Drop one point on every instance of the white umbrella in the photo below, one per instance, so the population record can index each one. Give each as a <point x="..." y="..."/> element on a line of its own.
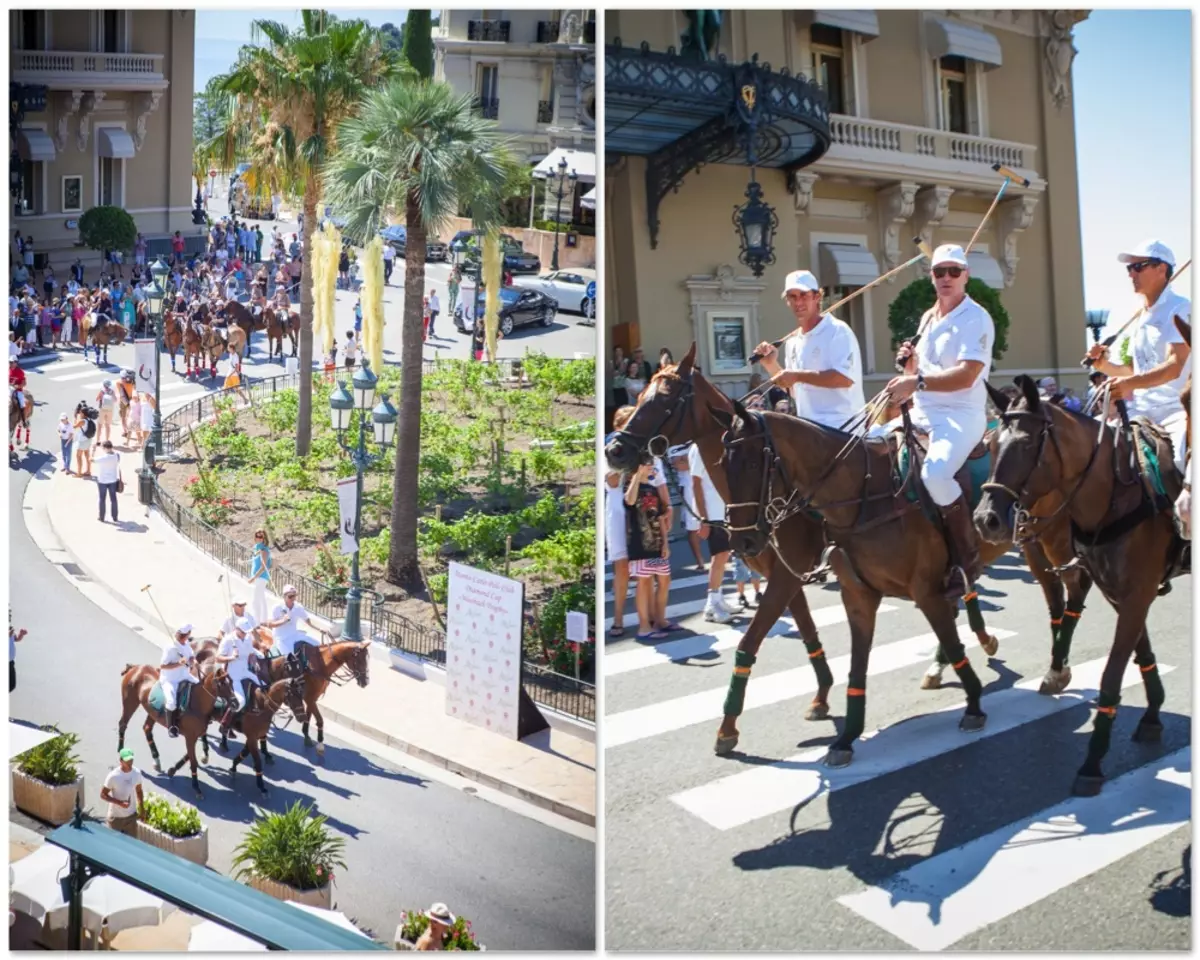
<point x="211" y="937"/>
<point x="111" y="905"/>
<point x="22" y="739"/>
<point x="35" y="889"/>
<point x="588" y="200"/>
<point x="335" y="917"/>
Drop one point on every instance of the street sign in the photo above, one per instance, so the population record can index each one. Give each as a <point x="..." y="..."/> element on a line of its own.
<point x="591" y="290"/>
<point x="212" y="173"/>
<point x="577" y="624"/>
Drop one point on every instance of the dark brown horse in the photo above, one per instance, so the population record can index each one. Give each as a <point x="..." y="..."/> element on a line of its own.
<point x="324" y="662"/>
<point x="1128" y="545"/>
<point x="674" y="409"/>
<point x="243" y="318"/>
<point x="255" y="721"/>
<point x="102" y="336"/>
<point x="278" y="324"/>
<point x="1183" y="506"/>
<point x="194" y="332"/>
<point x="137" y="682"/>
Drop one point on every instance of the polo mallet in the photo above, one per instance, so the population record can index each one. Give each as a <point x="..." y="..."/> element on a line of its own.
<point x="1010" y="176"/>
<point x="1109" y="341"/>
<point x="228" y="595"/>
<point x="162" y="619"/>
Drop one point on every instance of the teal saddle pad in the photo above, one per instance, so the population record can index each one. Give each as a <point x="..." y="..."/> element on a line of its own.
<point x="979" y="470"/>
<point x="184" y="698"/>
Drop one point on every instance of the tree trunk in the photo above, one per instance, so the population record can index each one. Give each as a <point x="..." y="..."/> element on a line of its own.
<point x="312" y="198"/>
<point x="402" y="557"/>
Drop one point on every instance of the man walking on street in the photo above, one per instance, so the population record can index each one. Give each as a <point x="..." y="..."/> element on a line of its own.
<point x="389" y="261"/>
<point x="435" y="308"/>
<point x="14" y="637"/>
<point x="120" y="787"/>
<point x="108" y="475"/>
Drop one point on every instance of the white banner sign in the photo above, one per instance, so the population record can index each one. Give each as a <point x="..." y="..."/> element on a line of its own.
<point x="347" y="491"/>
<point x="483" y="649"/>
<point x="143" y="359"/>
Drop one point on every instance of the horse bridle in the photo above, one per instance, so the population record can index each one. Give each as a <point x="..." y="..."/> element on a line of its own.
<point x="648" y="445"/>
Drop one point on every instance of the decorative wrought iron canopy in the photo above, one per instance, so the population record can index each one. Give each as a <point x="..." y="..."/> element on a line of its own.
<point x="682" y="113"/>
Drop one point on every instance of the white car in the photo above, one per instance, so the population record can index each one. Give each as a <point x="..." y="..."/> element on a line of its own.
<point x="569" y="287"/>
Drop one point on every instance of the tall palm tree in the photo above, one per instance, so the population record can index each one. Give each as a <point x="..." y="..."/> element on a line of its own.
<point x="293" y="93"/>
<point x="420" y="147"/>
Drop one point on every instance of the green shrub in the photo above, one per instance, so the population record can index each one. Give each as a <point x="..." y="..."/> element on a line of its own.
<point x="292" y="847"/>
<point x="413" y="923"/>
<point x="439" y="587"/>
<point x="565" y="555"/>
<point x="107" y="228"/>
<point x="53" y="762"/>
<point x="551" y="627"/>
<point x="173" y="817"/>
<point x="905" y="312"/>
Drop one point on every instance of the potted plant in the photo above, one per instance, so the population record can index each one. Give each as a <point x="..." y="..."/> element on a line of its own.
<point x="46" y="780"/>
<point x="290" y="855"/>
<point x="174" y="826"/>
<point x="413" y="923"/>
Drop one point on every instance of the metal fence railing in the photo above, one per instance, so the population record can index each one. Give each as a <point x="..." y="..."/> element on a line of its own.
<point x="575" y="698"/>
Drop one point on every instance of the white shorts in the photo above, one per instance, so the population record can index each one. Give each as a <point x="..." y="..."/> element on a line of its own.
<point x="615" y="547"/>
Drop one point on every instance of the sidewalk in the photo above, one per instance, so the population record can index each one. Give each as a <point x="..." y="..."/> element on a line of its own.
<point x="553" y="770"/>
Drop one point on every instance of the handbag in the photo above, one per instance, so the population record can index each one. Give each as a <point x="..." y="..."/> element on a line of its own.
<point x="120" y="484"/>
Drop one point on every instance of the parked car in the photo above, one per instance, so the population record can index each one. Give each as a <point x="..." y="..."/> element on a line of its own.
<point x="516" y="258"/>
<point x="397" y="236"/>
<point x="517" y="308"/>
<point x="569" y="287"/>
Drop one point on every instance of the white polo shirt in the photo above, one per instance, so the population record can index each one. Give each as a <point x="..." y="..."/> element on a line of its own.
<point x="965" y="333"/>
<point x="830" y="345"/>
<point x="1153" y="336"/>
<point x="231" y="623"/>
<point x="176" y="655"/>
<point x="288" y="633"/>
<point x="714" y="506"/>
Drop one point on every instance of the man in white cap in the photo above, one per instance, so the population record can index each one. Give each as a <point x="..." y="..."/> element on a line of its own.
<point x="239" y="611"/>
<point x="822" y="366"/>
<point x="174" y="669"/>
<point x="236" y="653"/>
<point x="1161" y="356"/>
<point x="290" y="640"/>
<point x="946" y="376"/>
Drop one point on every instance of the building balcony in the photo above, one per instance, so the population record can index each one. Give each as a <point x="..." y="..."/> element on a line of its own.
<point x="68" y="70"/>
<point x="488" y="109"/>
<point x="545" y="111"/>
<point x="894" y="151"/>
<point x="547" y="31"/>
<point x="488" y="31"/>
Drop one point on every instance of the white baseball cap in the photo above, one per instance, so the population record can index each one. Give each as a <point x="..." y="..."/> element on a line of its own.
<point x="239" y="600"/>
<point x="949" y="253"/>
<point x="244" y="624"/>
<point x="1149" y="250"/>
<point x="802" y="280"/>
<point x="289" y="590"/>
<point x="184" y="630"/>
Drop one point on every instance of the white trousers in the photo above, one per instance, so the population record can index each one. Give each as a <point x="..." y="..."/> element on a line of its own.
<point x="258" y="603"/>
<point x="952" y="437"/>
<point x="170" y="681"/>
<point x="237" y="673"/>
<point x="1176" y="427"/>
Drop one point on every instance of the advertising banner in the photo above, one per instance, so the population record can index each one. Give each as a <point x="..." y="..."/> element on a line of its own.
<point x="143" y="359"/>
<point x="347" y="493"/>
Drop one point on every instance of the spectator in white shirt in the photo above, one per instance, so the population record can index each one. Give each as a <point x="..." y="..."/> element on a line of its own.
<point x="435" y="307"/>
<point x="66" y="434"/>
<point x="108" y="474"/>
<point x="120" y="788"/>
<point x="710" y="506"/>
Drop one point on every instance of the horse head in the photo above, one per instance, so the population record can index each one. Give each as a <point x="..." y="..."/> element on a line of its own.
<point x="748" y="461"/>
<point x="222" y="684"/>
<point x="660" y="419"/>
<point x="357" y="656"/>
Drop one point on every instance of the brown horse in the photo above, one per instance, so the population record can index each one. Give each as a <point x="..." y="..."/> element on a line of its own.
<point x="1183" y="506"/>
<point x="1127" y="543"/>
<point x="194" y="332"/>
<point x="278" y="323"/>
<point x="102" y="336"/>
<point x="173" y="326"/>
<point x="255" y="721"/>
<point x="324" y="662"/>
<point x="137" y="682"/>
<point x="242" y="318"/>
<point x="16" y="416"/>
<point x="673" y="410"/>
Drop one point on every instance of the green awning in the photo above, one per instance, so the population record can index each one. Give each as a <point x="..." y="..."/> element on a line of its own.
<point x="204" y="892"/>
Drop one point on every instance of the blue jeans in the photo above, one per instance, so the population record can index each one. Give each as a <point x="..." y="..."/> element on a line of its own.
<point x="111" y="489"/>
<point x="66" y="454"/>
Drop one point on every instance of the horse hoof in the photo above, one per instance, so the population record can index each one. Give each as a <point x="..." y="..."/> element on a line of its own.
<point x="817" y="711"/>
<point x="725" y="745"/>
<point x="320" y="749"/>
<point x="990" y="646"/>
<point x="1148" y="732"/>
<point x="269" y="759"/>
<point x="1055" y="681"/>
<point x="932" y="681"/>
<point x="838" y="758"/>
<point x="972" y="722"/>
<point x="1087" y="786"/>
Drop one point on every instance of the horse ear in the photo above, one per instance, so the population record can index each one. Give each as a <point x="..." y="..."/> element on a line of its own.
<point x="1029" y="390"/>
<point x="998" y="398"/>
<point x="723" y="418"/>
<point x="741" y="411"/>
<point x="688" y="361"/>
<point x="1184" y="328"/>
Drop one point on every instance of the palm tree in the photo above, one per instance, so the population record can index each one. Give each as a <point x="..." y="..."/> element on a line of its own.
<point x="420" y="147"/>
<point x="293" y="93"/>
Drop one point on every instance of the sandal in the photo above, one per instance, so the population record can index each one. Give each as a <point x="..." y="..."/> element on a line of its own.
<point x="669" y="627"/>
<point x="617" y="632"/>
<point x="652" y="635"/>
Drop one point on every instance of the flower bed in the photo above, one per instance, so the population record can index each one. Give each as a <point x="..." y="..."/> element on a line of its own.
<point x="290" y="855"/>
<point x="175" y="827"/>
<point x="46" y="781"/>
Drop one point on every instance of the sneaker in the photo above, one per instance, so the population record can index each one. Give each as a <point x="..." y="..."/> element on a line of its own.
<point x="743" y="603"/>
<point x="716" y="612"/>
<point x="732" y="611"/>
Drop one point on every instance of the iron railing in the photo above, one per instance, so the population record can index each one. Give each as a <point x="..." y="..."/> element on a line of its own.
<point x="575" y="698"/>
<point x="488" y="30"/>
<point x="488" y="109"/>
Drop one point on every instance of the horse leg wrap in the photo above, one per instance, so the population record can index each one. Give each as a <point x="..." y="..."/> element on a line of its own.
<point x="735" y="699"/>
<point x="320" y="733"/>
<point x="856" y="712"/>
<point x="1061" y="654"/>
<point x="820" y="663"/>
<point x="1106" y="714"/>
<point x="970" y="681"/>
<point x="941" y="658"/>
<point x="1152" y="681"/>
<point x="974" y="614"/>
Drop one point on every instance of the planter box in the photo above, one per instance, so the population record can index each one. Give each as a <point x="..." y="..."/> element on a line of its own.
<point x="48" y="803"/>
<point x="321" y="897"/>
<point x="193" y="848"/>
<point x="399" y="943"/>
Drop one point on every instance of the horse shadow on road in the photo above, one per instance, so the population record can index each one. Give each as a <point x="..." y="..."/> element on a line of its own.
<point x="871" y="828"/>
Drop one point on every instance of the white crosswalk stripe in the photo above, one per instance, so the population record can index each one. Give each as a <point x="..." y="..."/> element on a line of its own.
<point x="663" y="703"/>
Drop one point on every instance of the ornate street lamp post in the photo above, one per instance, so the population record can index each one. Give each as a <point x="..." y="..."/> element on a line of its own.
<point x="383" y="419"/>
<point x="1096" y="321"/>
<point x="155" y="298"/>
<point x="755" y="222"/>
<point x="563" y="177"/>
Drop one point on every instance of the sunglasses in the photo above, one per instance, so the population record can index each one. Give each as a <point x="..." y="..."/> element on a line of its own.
<point x="1141" y="265"/>
<point x="953" y="272"/>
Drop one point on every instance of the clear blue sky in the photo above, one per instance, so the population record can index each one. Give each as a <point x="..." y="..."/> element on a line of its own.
<point x="1133" y="128"/>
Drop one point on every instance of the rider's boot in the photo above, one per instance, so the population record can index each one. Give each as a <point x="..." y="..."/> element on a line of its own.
<point x="963" y="542"/>
<point x="173" y="722"/>
<point x="302" y="656"/>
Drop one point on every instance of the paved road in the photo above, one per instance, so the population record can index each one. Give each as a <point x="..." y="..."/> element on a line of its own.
<point x="411" y="836"/>
<point x="932" y="838"/>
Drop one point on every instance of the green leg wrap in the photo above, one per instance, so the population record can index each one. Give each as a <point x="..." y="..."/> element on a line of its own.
<point x="819" y="663"/>
<point x="1101" y="733"/>
<point x="735" y="699"/>
<point x="1062" y="638"/>
<point x="1152" y="680"/>
<point x="975" y="615"/>
<point x="941" y="658"/>
<point x="856" y="718"/>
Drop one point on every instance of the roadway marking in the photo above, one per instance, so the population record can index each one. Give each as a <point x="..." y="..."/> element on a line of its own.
<point x="80" y="375"/>
<point x="687" y="608"/>
<point x="939" y="901"/>
<point x="675" y="650"/>
<point x="641" y="723"/>
<point x="46" y="369"/>
<point x="745" y="797"/>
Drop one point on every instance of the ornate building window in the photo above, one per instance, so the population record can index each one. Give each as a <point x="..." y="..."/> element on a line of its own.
<point x="829" y="64"/>
<point x="952" y="94"/>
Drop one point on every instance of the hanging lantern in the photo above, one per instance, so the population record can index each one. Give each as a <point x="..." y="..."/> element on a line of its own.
<point x="756" y="222"/>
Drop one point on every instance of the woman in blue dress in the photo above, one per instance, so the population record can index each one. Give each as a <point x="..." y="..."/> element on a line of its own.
<point x="260" y="575"/>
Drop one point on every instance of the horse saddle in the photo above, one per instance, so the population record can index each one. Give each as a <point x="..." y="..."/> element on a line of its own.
<point x="971" y="476"/>
<point x="183" y="697"/>
<point x="1156" y="462"/>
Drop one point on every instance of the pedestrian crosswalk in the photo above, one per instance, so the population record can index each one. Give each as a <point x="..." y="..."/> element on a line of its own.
<point x="678" y="809"/>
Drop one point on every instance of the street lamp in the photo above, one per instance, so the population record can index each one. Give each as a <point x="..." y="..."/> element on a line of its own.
<point x="1096" y="321"/>
<point x="563" y="177"/>
<point x="755" y="222"/>
<point x="383" y="421"/>
<point x="155" y="296"/>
